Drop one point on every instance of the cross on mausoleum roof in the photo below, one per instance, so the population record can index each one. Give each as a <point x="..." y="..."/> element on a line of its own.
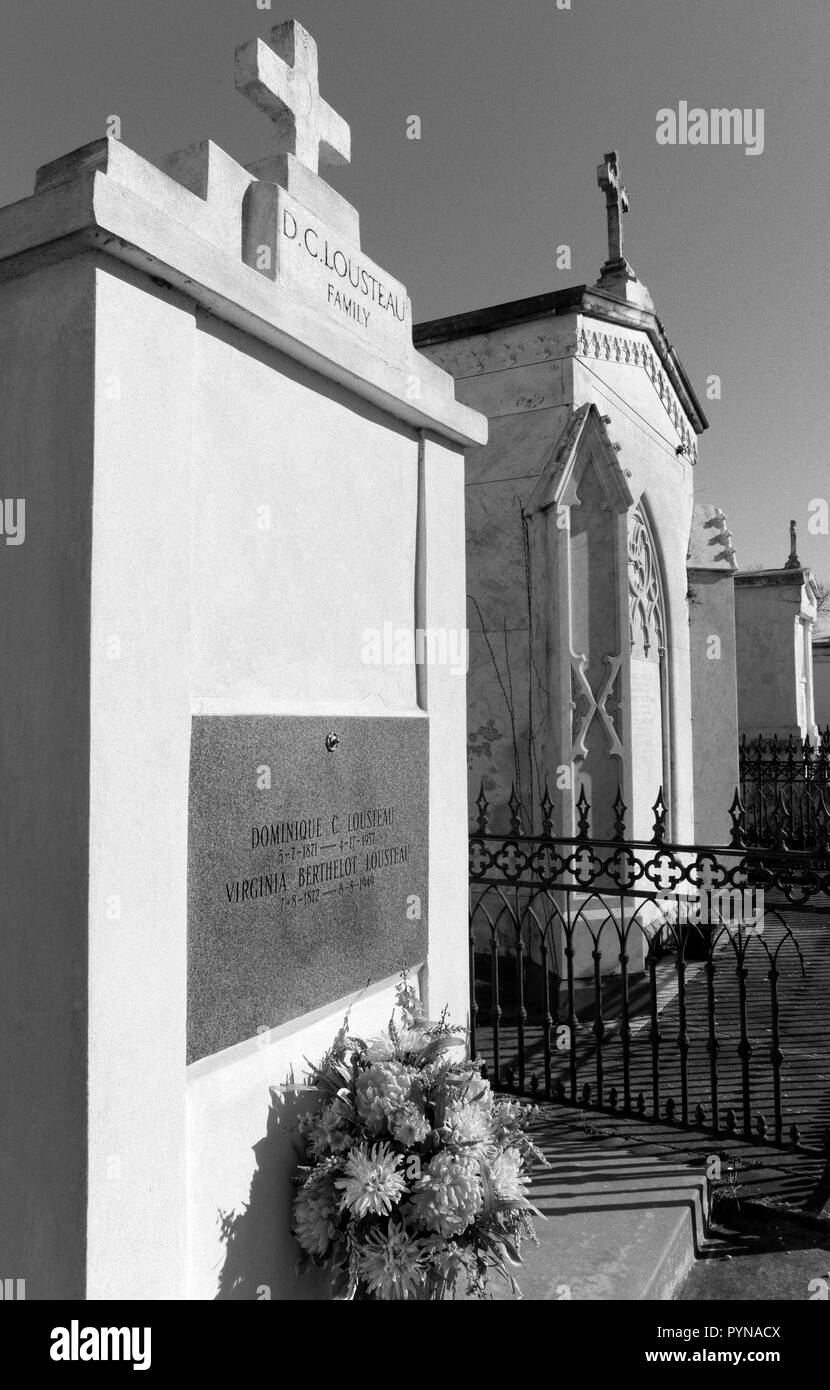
<point x="616" y="203"/>
<point x="281" y="78"/>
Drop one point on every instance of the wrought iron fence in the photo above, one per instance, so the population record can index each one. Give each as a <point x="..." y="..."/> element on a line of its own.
<point x="785" y="789"/>
<point x="657" y="980"/>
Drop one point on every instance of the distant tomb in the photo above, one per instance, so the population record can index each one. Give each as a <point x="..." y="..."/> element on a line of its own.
<point x="775" y="616"/>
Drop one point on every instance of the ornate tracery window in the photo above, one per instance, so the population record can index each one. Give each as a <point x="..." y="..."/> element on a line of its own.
<point x="649" y="761"/>
<point x="645" y="606"/>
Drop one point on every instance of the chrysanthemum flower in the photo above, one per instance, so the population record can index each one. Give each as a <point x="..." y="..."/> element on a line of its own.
<point x="447" y="1198"/>
<point x="409" y="1125"/>
<point x="508" y="1177"/>
<point x="388" y="1047"/>
<point x="315" y="1208"/>
<point x="372" y="1183"/>
<point x="382" y="1089"/>
<point x="469" y="1127"/>
<point x="392" y="1263"/>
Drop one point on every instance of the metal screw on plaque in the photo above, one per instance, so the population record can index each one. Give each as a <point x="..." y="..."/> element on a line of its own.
<point x="332" y="742"/>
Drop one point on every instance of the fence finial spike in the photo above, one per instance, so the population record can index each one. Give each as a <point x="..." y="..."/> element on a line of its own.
<point x="620" y="809"/>
<point x="583" y="807"/>
<point x="547" y="812"/>
<point x="737" y="812"/>
<point x="660" y="810"/>
<point x="483" y="804"/>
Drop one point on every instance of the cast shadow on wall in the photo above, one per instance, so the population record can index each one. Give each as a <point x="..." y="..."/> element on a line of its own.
<point x="260" y="1251"/>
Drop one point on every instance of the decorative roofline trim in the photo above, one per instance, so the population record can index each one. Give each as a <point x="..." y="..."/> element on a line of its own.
<point x="593" y="303"/>
<point x="611" y="347"/>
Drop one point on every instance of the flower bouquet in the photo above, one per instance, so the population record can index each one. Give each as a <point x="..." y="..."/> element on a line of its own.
<point x="415" y="1180"/>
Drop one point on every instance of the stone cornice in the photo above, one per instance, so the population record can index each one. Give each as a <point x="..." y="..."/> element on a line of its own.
<point x="105" y="198"/>
<point x="796" y="578"/>
<point x="540" y="306"/>
<point x="661" y="362"/>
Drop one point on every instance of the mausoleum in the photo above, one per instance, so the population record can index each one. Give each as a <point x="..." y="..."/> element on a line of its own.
<point x="579" y="530"/>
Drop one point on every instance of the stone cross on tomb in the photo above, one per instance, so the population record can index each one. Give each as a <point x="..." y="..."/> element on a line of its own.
<point x="280" y="77"/>
<point x="616" y="203"/>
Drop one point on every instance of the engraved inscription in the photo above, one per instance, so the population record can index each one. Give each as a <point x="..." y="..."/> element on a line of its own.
<point x="346" y="850"/>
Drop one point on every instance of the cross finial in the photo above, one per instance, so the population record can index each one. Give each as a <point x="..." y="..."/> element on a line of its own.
<point x="280" y="77"/>
<point x="793" y="562"/>
<point x="616" y="203"/>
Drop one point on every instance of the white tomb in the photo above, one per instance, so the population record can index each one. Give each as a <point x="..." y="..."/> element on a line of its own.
<point x="775" y="617"/>
<point x="234" y="463"/>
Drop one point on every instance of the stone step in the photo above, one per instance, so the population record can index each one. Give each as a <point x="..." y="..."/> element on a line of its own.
<point x="619" y="1225"/>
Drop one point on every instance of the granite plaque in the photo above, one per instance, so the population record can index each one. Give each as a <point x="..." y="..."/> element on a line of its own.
<point x="307" y="866"/>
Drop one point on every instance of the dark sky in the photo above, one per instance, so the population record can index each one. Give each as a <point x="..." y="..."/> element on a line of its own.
<point x="519" y="101"/>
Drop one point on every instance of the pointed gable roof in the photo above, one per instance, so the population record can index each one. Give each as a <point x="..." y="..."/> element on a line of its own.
<point x="583" y="437"/>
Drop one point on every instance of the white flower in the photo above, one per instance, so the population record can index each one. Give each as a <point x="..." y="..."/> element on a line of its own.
<point x="315" y="1209"/>
<point x="508" y="1176"/>
<point x="448" y="1197"/>
<point x="469" y="1127"/>
<point x="409" y="1125"/>
<point x="373" y="1183"/>
<point x="389" y="1047"/>
<point x="381" y="1090"/>
<point x="392" y="1263"/>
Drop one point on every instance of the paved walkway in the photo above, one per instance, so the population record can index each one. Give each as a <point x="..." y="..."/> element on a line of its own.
<point x="777" y="1260"/>
<point x="804" y="1004"/>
